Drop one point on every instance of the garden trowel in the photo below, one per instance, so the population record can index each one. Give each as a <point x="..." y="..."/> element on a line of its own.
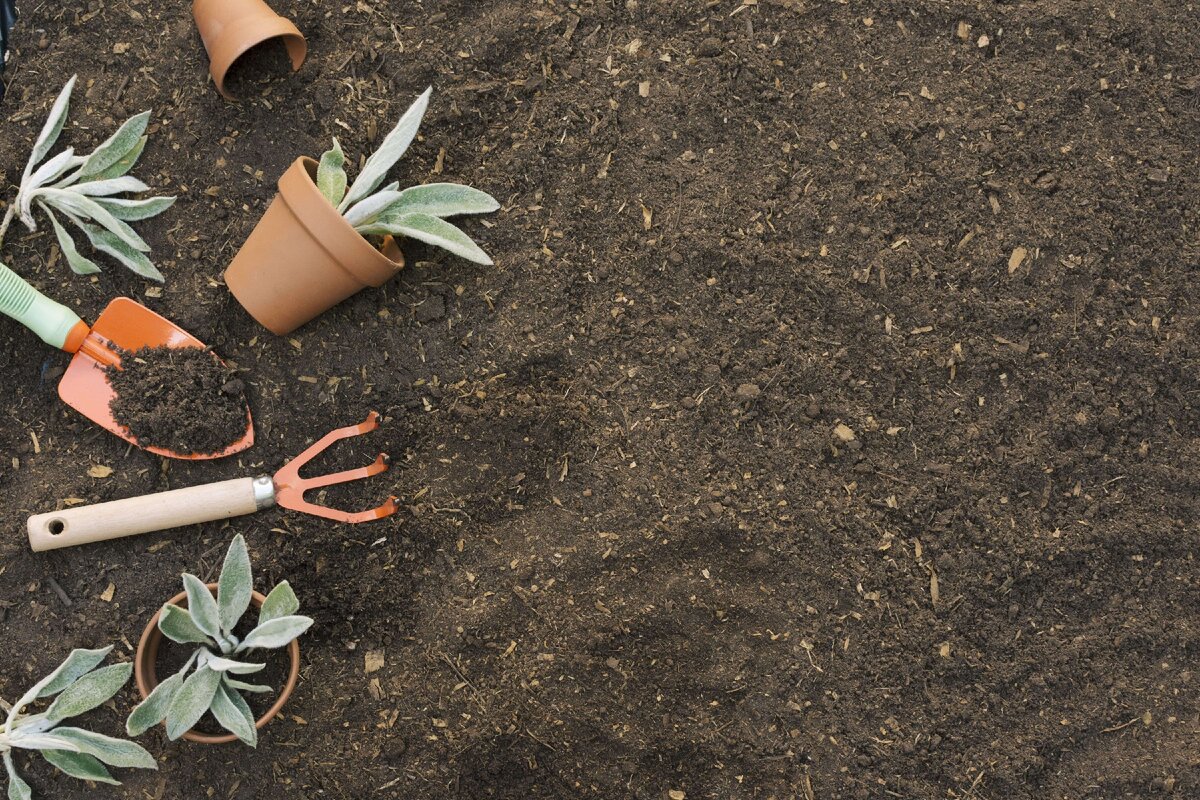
<point x="124" y="325"/>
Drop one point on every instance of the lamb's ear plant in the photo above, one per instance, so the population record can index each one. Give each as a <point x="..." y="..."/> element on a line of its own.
<point x="419" y="211"/>
<point x="84" y="189"/>
<point x="213" y="685"/>
<point x="77" y="686"/>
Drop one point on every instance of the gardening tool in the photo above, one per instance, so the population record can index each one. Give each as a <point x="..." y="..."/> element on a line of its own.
<point x="124" y="324"/>
<point x="233" y="498"/>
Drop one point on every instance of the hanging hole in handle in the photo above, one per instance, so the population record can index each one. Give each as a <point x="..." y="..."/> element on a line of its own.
<point x="56" y="527"/>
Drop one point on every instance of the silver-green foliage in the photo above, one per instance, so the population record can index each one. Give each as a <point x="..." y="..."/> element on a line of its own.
<point x="84" y="189"/>
<point x="77" y="686"/>
<point x="209" y="622"/>
<point x="418" y="212"/>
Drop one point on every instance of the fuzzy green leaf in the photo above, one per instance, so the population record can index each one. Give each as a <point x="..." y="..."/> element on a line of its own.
<point x="53" y="126"/>
<point x="253" y="688"/>
<point x="221" y="664"/>
<point x="117" y="146"/>
<point x="110" y="243"/>
<point x="114" y="752"/>
<point x="275" y="634"/>
<point x="281" y="602"/>
<point x="79" y="264"/>
<point x="178" y="626"/>
<point x="17" y="788"/>
<point x="393" y="147"/>
<point x="124" y="164"/>
<point x="89" y="691"/>
<point x="235" y="586"/>
<point x="368" y="209"/>
<point x="431" y="230"/>
<point x="202" y="606"/>
<point x="153" y="709"/>
<point x="234" y="714"/>
<point x="78" y="205"/>
<point x="78" y="663"/>
<point x="79" y="765"/>
<point x="133" y="210"/>
<point x="441" y="200"/>
<point x="125" y="183"/>
<point x="191" y="701"/>
<point x="331" y="174"/>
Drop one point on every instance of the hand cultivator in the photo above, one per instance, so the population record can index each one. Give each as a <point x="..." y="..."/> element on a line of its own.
<point x="232" y="498"/>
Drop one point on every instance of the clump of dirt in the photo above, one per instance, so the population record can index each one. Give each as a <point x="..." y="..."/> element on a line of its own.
<point x="182" y="399"/>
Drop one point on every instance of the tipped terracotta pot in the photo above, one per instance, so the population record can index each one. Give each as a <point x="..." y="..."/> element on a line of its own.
<point x="147" y="678"/>
<point x="303" y="258"/>
<point x="231" y="27"/>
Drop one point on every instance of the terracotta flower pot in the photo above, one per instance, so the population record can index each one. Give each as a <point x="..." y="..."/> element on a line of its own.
<point x="231" y="27"/>
<point x="147" y="678"/>
<point x="303" y="258"/>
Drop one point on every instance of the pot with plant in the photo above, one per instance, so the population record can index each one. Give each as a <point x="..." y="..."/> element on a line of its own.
<point x="213" y="678"/>
<point x="77" y="686"/>
<point x="319" y="242"/>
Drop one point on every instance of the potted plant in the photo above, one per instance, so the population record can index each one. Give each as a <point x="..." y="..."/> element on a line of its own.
<point x="312" y="249"/>
<point x="85" y="189"/>
<point x="77" y="687"/>
<point x="208" y="616"/>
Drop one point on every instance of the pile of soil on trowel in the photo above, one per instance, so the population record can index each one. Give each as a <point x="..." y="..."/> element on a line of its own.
<point x="179" y="399"/>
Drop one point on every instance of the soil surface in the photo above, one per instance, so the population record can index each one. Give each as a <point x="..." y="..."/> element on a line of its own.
<point x="179" y="398"/>
<point x="827" y="427"/>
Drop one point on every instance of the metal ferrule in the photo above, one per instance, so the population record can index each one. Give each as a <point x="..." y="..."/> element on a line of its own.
<point x="264" y="492"/>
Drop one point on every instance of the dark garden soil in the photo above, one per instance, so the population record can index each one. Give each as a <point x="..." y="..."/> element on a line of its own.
<point x="827" y="427"/>
<point x="179" y="398"/>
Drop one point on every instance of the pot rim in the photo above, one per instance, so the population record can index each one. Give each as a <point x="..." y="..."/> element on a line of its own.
<point x="325" y="225"/>
<point x="147" y="654"/>
<point x="238" y="28"/>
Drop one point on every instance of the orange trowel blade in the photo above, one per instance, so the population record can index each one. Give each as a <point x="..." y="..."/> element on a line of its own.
<point x="129" y="326"/>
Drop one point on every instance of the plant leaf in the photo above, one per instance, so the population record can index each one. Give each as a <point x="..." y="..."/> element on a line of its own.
<point x="253" y="688"/>
<point x="221" y="664"/>
<point x="124" y="164"/>
<point x="394" y="145"/>
<point x="53" y="126"/>
<point x="117" y="146"/>
<point x="125" y="183"/>
<point x="235" y="585"/>
<point x="367" y="209"/>
<point x="132" y="210"/>
<point x="79" y="264"/>
<point x="79" y="765"/>
<point x="281" y="602"/>
<point x="153" y="709"/>
<point x="17" y="788"/>
<point x="79" y="205"/>
<point x="275" y="633"/>
<point x="76" y="664"/>
<point x="191" y="701"/>
<point x="232" y="711"/>
<point x="109" y="242"/>
<point x="51" y="169"/>
<point x="89" y="691"/>
<point x="442" y="200"/>
<point x="178" y="626"/>
<point x="42" y="741"/>
<point x="431" y="230"/>
<point x="202" y="606"/>
<point x="114" y="752"/>
<point x="331" y="174"/>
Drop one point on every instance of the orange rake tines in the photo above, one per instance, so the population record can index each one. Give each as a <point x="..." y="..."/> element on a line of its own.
<point x="289" y="487"/>
<point x="178" y="507"/>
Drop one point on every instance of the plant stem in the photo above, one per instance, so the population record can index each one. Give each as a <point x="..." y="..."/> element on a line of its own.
<point x="8" y="215"/>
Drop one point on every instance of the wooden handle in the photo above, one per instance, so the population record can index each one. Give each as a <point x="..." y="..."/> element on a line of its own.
<point x="151" y="512"/>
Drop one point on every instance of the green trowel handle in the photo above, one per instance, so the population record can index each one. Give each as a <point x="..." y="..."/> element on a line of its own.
<point x="56" y="324"/>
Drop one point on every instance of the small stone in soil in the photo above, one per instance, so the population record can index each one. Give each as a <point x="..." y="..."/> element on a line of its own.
<point x="180" y="399"/>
